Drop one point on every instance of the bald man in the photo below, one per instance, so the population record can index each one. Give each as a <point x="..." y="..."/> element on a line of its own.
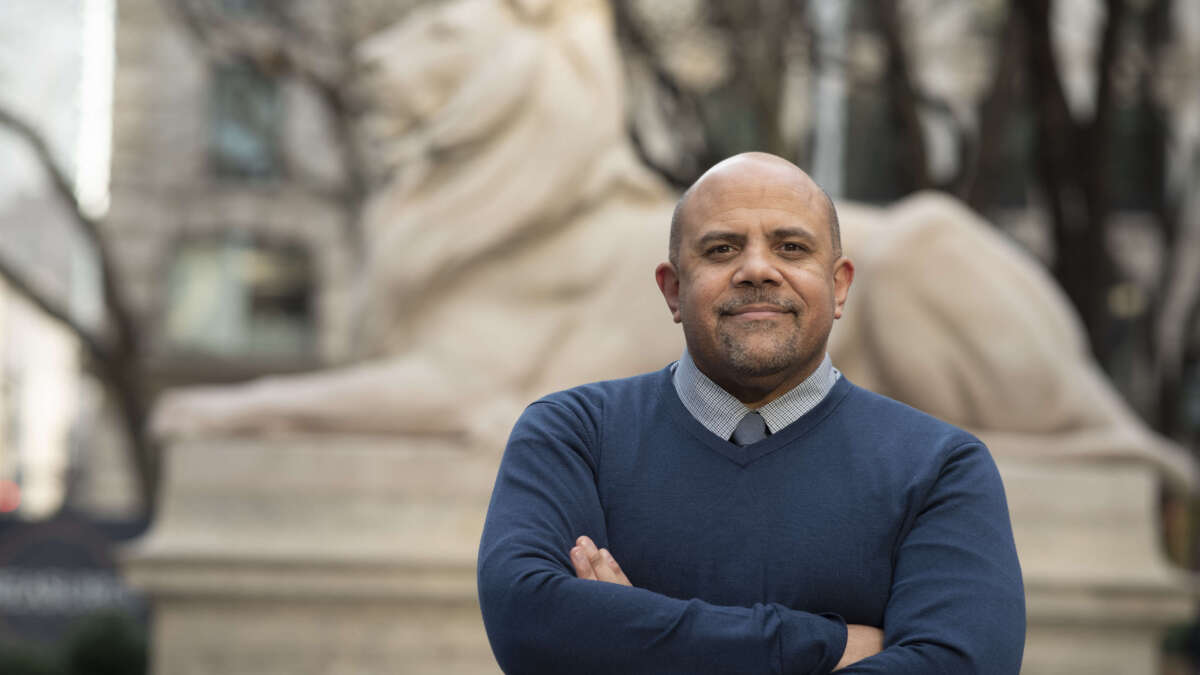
<point x="747" y="509"/>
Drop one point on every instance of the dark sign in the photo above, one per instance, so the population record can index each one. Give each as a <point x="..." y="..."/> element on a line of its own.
<point x="55" y="572"/>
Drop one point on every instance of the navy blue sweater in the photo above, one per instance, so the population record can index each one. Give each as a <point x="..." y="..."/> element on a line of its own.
<point x="747" y="560"/>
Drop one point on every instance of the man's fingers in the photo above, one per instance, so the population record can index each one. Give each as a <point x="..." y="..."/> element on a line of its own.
<point x="609" y="570"/>
<point x="582" y="564"/>
<point x="595" y="559"/>
<point x="597" y="564"/>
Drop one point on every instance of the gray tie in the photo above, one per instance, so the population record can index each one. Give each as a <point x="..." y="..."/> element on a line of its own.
<point x="751" y="429"/>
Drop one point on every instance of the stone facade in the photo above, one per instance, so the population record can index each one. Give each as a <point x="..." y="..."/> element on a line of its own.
<point x="164" y="189"/>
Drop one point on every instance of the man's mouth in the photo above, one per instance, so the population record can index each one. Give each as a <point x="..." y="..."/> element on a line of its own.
<point x="758" y="311"/>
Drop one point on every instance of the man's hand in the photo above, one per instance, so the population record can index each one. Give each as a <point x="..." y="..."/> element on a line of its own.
<point x="861" y="642"/>
<point x="597" y="564"/>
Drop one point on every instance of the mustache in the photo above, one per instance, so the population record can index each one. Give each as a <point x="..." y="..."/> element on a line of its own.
<point x="757" y="296"/>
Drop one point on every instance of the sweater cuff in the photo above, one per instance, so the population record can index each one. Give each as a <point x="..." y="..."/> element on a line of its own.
<point x="810" y="643"/>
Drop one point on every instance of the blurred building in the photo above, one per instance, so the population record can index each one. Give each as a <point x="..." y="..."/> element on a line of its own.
<point x="227" y="222"/>
<point x="231" y="222"/>
<point x="225" y="209"/>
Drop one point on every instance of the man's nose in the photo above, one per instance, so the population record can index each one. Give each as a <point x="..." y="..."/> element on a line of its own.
<point x="757" y="267"/>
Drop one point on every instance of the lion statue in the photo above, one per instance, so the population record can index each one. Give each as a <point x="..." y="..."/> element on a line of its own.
<point x="511" y="251"/>
<point x="949" y="316"/>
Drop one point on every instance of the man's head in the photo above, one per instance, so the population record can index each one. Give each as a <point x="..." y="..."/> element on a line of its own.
<point x="756" y="274"/>
<point x="677" y="218"/>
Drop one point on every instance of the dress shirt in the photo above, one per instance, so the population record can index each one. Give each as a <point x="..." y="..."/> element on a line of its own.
<point x="719" y="411"/>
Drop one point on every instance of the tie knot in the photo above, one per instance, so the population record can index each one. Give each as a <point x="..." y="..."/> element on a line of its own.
<point x="751" y="429"/>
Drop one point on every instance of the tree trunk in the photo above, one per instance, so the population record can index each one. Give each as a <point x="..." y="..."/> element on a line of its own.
<point x="1072" y="161"/>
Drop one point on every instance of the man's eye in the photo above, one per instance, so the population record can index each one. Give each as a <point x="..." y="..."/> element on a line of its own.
<point x="793" y="247"/>
<point x="720" y="249"/>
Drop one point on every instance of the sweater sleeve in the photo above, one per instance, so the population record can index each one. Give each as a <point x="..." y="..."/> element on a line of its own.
<point x="540" y="618"/>
<point x="957" y="602"/>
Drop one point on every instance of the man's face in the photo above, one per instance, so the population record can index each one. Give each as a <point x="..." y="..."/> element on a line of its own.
<point x="758" y="283"/>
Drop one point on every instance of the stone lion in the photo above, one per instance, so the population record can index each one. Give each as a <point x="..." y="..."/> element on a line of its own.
<point x="948" y="315"/>
<point x="511" y="248"/>
<point x="511" y="252"/>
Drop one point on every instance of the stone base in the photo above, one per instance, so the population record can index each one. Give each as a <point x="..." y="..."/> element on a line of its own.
<point x="1076" y="650"/>
<point x="317" y="555"/>
<point x="1099" y="591"/>
<point x="269" y="636"/>
<point x="330" y="555"/>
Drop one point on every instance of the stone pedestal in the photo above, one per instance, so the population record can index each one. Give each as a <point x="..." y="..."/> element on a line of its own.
<point x="1099" y="590"/>
<point x="321" y="555"/>
<point x="329" y="555"/>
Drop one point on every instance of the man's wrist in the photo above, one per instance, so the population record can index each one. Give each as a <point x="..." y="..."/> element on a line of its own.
<point x="810" y="643"/>
<point x="861" y="642"/>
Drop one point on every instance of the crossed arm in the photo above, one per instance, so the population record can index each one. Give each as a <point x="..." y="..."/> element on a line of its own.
<point x="598" y="564"/>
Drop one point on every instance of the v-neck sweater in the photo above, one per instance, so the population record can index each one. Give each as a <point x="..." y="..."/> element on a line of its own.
<point x="747" y="559"/>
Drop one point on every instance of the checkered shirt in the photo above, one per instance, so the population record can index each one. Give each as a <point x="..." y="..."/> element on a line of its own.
<point x="719" y="411"/>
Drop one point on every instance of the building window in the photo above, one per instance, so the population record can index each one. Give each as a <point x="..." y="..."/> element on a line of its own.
<point x="232" y="296"/>
<point x="244" y="136"/>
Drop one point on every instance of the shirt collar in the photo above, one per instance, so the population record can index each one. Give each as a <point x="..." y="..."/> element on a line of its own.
<point x="719" y="411"/>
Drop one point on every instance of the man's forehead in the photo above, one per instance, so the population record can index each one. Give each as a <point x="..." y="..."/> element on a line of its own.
<point x="748" y="190"/>
<point x="754" y="185"/>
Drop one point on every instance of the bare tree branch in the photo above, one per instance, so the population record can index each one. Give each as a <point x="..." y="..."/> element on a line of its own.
<point x="1177" y="303"/>
<point x="26" y="289"/>
<point x="998" y="107"/>
<point x="268" y="45"/>
<point x="904" y="95"/>
<point x="118" y="362"/>
<point x="113" y="300"/>
<point x="640" y="47"/>
<point x="761" y="29"/>
<point x="1097" y="133"/>
<point x="1072" y="164"/>
<point x="59" y="181"/>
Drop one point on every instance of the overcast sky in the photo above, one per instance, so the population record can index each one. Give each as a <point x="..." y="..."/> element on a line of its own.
<point x="39" y="80"/>
<point x="42" y="68"/>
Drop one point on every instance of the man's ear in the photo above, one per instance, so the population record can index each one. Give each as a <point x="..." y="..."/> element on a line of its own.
<point x="843" y="276"/>
<point x="668" y="282"/>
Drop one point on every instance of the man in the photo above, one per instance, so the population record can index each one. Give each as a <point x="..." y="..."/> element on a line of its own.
<point x="746" y="509"/>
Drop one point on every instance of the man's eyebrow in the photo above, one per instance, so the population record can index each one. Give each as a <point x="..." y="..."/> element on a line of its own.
<point x="793" y="233"/>
<point x="720" y="235"/>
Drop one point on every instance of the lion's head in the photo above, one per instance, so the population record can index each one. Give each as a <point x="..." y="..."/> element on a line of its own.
<point x="492" y="121"/>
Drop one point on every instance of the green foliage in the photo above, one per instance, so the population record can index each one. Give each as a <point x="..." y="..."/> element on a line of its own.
<point x="106" y="644"/>
<point x="18" y="659"/>
<point x="1180" y="639"/>
<point x="110" y="643"/>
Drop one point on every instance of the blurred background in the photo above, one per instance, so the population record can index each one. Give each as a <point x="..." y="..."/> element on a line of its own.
<point x="182" y="184"/>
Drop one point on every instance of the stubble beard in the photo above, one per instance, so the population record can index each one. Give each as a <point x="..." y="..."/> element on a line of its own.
<point x="765" y="347"/>
<point x="749" y="357"/>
